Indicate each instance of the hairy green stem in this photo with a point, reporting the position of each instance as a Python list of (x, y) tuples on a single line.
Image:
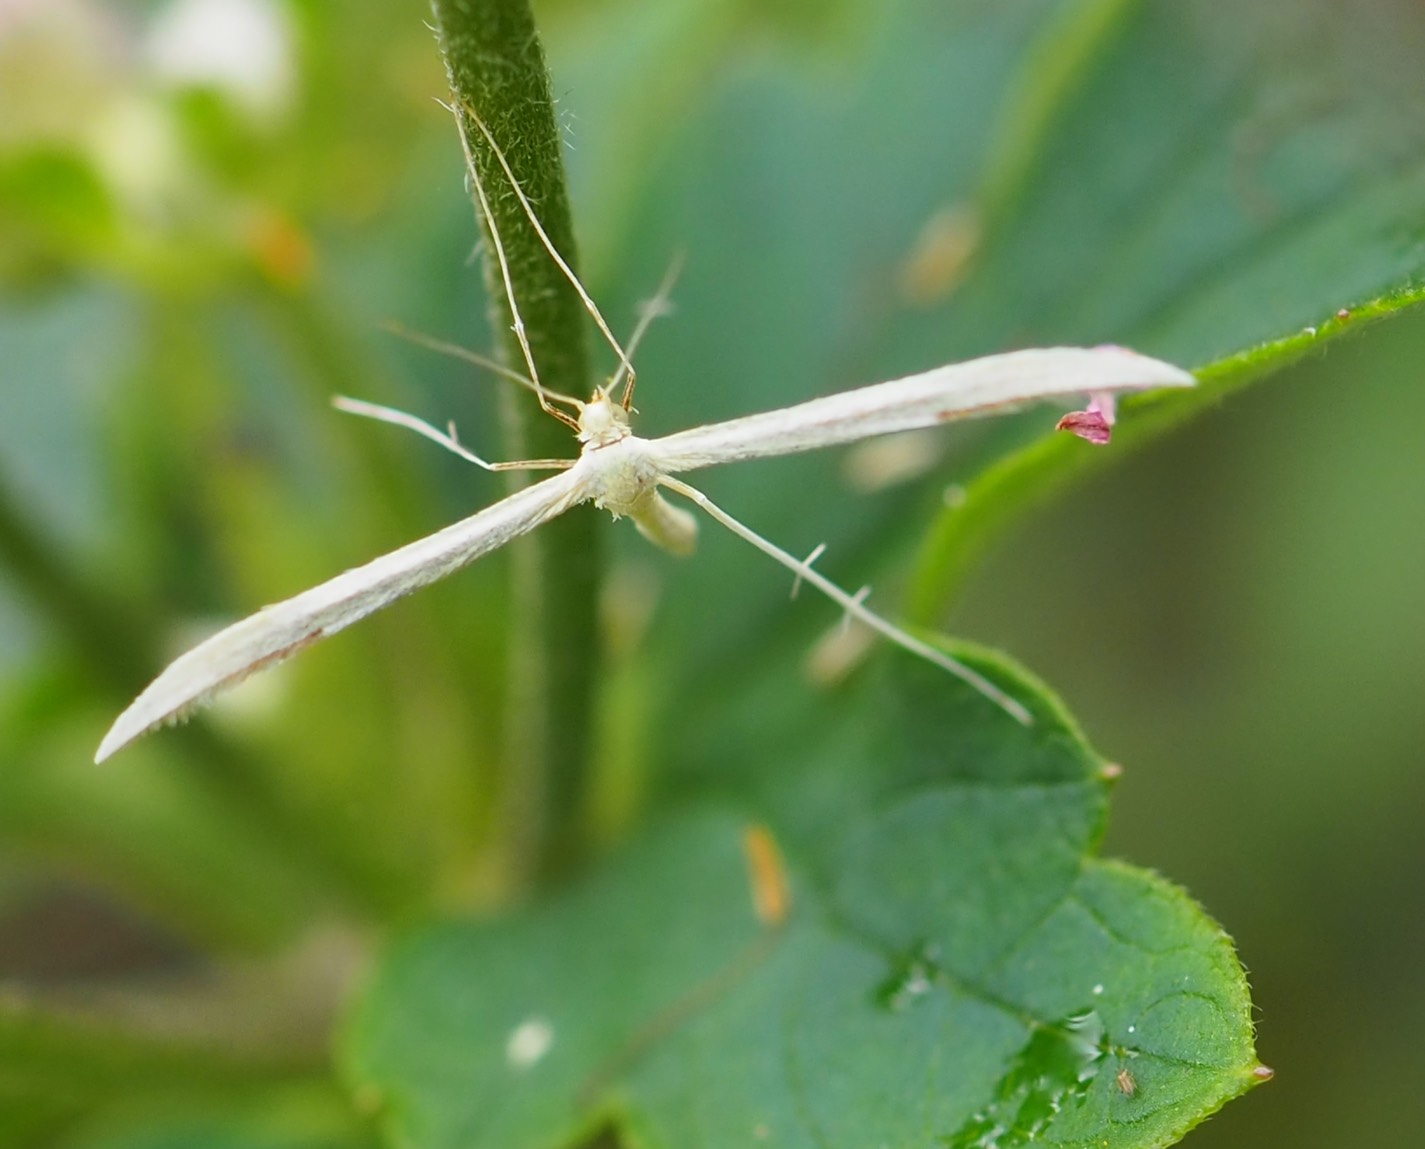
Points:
[(497, 73)]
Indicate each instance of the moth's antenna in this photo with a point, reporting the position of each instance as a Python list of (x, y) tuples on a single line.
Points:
[(504, 263), (651, 309), (589, 304), (852, 604), (430, 343), (446, 439)]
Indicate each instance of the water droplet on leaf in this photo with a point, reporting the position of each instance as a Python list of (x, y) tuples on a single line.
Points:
[(1052, 1071), (529, 1042)]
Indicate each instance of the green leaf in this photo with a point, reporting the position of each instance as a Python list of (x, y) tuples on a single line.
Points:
[(52, 207), (956, 961)]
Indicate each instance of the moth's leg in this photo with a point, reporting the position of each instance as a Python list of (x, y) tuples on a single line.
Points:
[(446, 439), (853, 605), (484, 201), (593, 308)]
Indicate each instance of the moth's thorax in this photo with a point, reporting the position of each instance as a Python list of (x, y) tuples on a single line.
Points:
[(602, 422), (621, 475)]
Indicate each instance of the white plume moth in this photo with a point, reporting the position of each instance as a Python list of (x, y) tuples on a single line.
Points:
[(627, 475)]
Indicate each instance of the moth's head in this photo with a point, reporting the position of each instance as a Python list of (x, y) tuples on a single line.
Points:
[(602, 421)]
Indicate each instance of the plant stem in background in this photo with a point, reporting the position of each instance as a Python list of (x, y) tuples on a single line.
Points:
[(496, 69), (61, 1064), (114, 639), (101, 631)]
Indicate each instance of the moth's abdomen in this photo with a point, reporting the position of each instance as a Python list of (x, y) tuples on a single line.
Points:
[(661, 523)]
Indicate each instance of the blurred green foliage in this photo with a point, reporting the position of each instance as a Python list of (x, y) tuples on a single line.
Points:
[(193, 259)]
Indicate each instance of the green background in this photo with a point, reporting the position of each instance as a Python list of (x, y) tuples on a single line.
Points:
[(1233, 614)]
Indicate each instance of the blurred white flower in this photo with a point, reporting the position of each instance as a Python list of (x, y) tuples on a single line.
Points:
[(59, 59), (135, 145), (243, 48)]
